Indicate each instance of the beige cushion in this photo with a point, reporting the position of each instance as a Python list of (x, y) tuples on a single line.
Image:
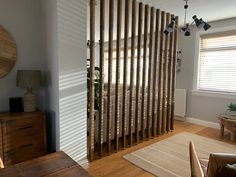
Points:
[(204, 164)]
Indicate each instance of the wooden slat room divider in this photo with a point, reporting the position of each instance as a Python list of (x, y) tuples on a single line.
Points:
[(131, 86), (126, 43), (150, 79), (101, 86), (91, 83), (137, 100), (117, 99), (139, 64), (160, 68), (143, 95), (155, 74)]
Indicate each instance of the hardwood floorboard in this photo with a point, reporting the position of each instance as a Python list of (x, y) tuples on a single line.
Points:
[(115, 166)]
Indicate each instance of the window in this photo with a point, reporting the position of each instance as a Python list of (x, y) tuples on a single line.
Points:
[(217, 67), (128, 66)]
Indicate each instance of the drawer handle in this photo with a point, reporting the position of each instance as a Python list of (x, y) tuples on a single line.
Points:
[(26, 145), (23, 128)]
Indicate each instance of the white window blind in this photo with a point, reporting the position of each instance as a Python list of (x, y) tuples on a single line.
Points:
[(128, 66), (217, 70)]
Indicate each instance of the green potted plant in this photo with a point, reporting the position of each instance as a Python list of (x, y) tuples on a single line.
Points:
[(232, 108)]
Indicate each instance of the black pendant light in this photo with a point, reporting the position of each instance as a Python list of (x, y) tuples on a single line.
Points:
[(199, 23), (206, 26), (186, 29), (170, 28)]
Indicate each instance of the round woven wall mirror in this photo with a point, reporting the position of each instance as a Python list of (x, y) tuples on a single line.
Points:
[(7, 52)]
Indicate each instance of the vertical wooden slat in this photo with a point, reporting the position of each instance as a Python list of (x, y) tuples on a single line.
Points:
[(155, 58), (174, 74), (101, 86), (133, 36), (140, 27), (117, 109), (159, 100), (126, 29), (164, 86), (146, 22), (150, 77), (110, 58), (169, 81), (91, 84)]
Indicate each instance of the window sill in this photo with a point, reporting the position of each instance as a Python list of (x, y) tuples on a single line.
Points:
[(225, 95)]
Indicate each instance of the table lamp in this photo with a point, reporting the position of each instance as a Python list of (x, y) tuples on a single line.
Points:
[(29, 79)]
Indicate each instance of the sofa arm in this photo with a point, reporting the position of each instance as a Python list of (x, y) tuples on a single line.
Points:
[(217, 161)]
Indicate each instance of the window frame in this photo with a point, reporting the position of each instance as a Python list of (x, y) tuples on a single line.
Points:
[(195, 90)]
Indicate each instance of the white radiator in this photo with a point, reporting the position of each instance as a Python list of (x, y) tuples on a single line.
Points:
[(180, 102)]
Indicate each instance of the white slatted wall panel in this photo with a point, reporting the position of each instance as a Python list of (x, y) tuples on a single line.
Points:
[(72, 31)]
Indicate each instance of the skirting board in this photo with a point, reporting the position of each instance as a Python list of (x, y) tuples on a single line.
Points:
[(183, 119), (203, 122)]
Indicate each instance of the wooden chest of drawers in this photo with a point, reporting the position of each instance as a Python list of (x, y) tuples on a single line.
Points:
[(22, 136)]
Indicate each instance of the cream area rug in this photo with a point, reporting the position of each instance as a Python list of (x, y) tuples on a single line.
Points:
[(170, 157)]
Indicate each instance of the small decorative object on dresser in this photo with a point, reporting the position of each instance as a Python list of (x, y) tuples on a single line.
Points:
[(29, 79), (22, 136), (15, 104)]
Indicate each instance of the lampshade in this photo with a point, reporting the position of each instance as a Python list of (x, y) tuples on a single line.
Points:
[(186, 30), (199, 22), (166, 32), (170, 27), (206, 26), (28, 78)]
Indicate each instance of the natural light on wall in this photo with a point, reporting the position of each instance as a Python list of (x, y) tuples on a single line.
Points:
[(72, 26), (217, 68)]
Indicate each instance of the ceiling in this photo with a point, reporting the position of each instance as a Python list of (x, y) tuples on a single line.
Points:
[(209, 10)]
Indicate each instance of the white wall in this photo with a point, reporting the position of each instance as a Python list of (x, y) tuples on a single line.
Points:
[(50, 42), (72, 51), (23, 20), (66, 54), (51, 36), (203, 107)]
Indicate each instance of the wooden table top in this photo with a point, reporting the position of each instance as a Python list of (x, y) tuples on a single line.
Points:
[(227, 117), (57, 164)]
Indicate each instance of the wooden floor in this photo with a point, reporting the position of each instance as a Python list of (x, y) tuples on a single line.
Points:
[(115, 166)]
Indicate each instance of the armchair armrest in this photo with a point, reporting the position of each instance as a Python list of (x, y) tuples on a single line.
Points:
[(1, 163), (217, 162)]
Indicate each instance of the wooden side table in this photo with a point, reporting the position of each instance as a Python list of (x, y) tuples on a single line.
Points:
[(228, 123)]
